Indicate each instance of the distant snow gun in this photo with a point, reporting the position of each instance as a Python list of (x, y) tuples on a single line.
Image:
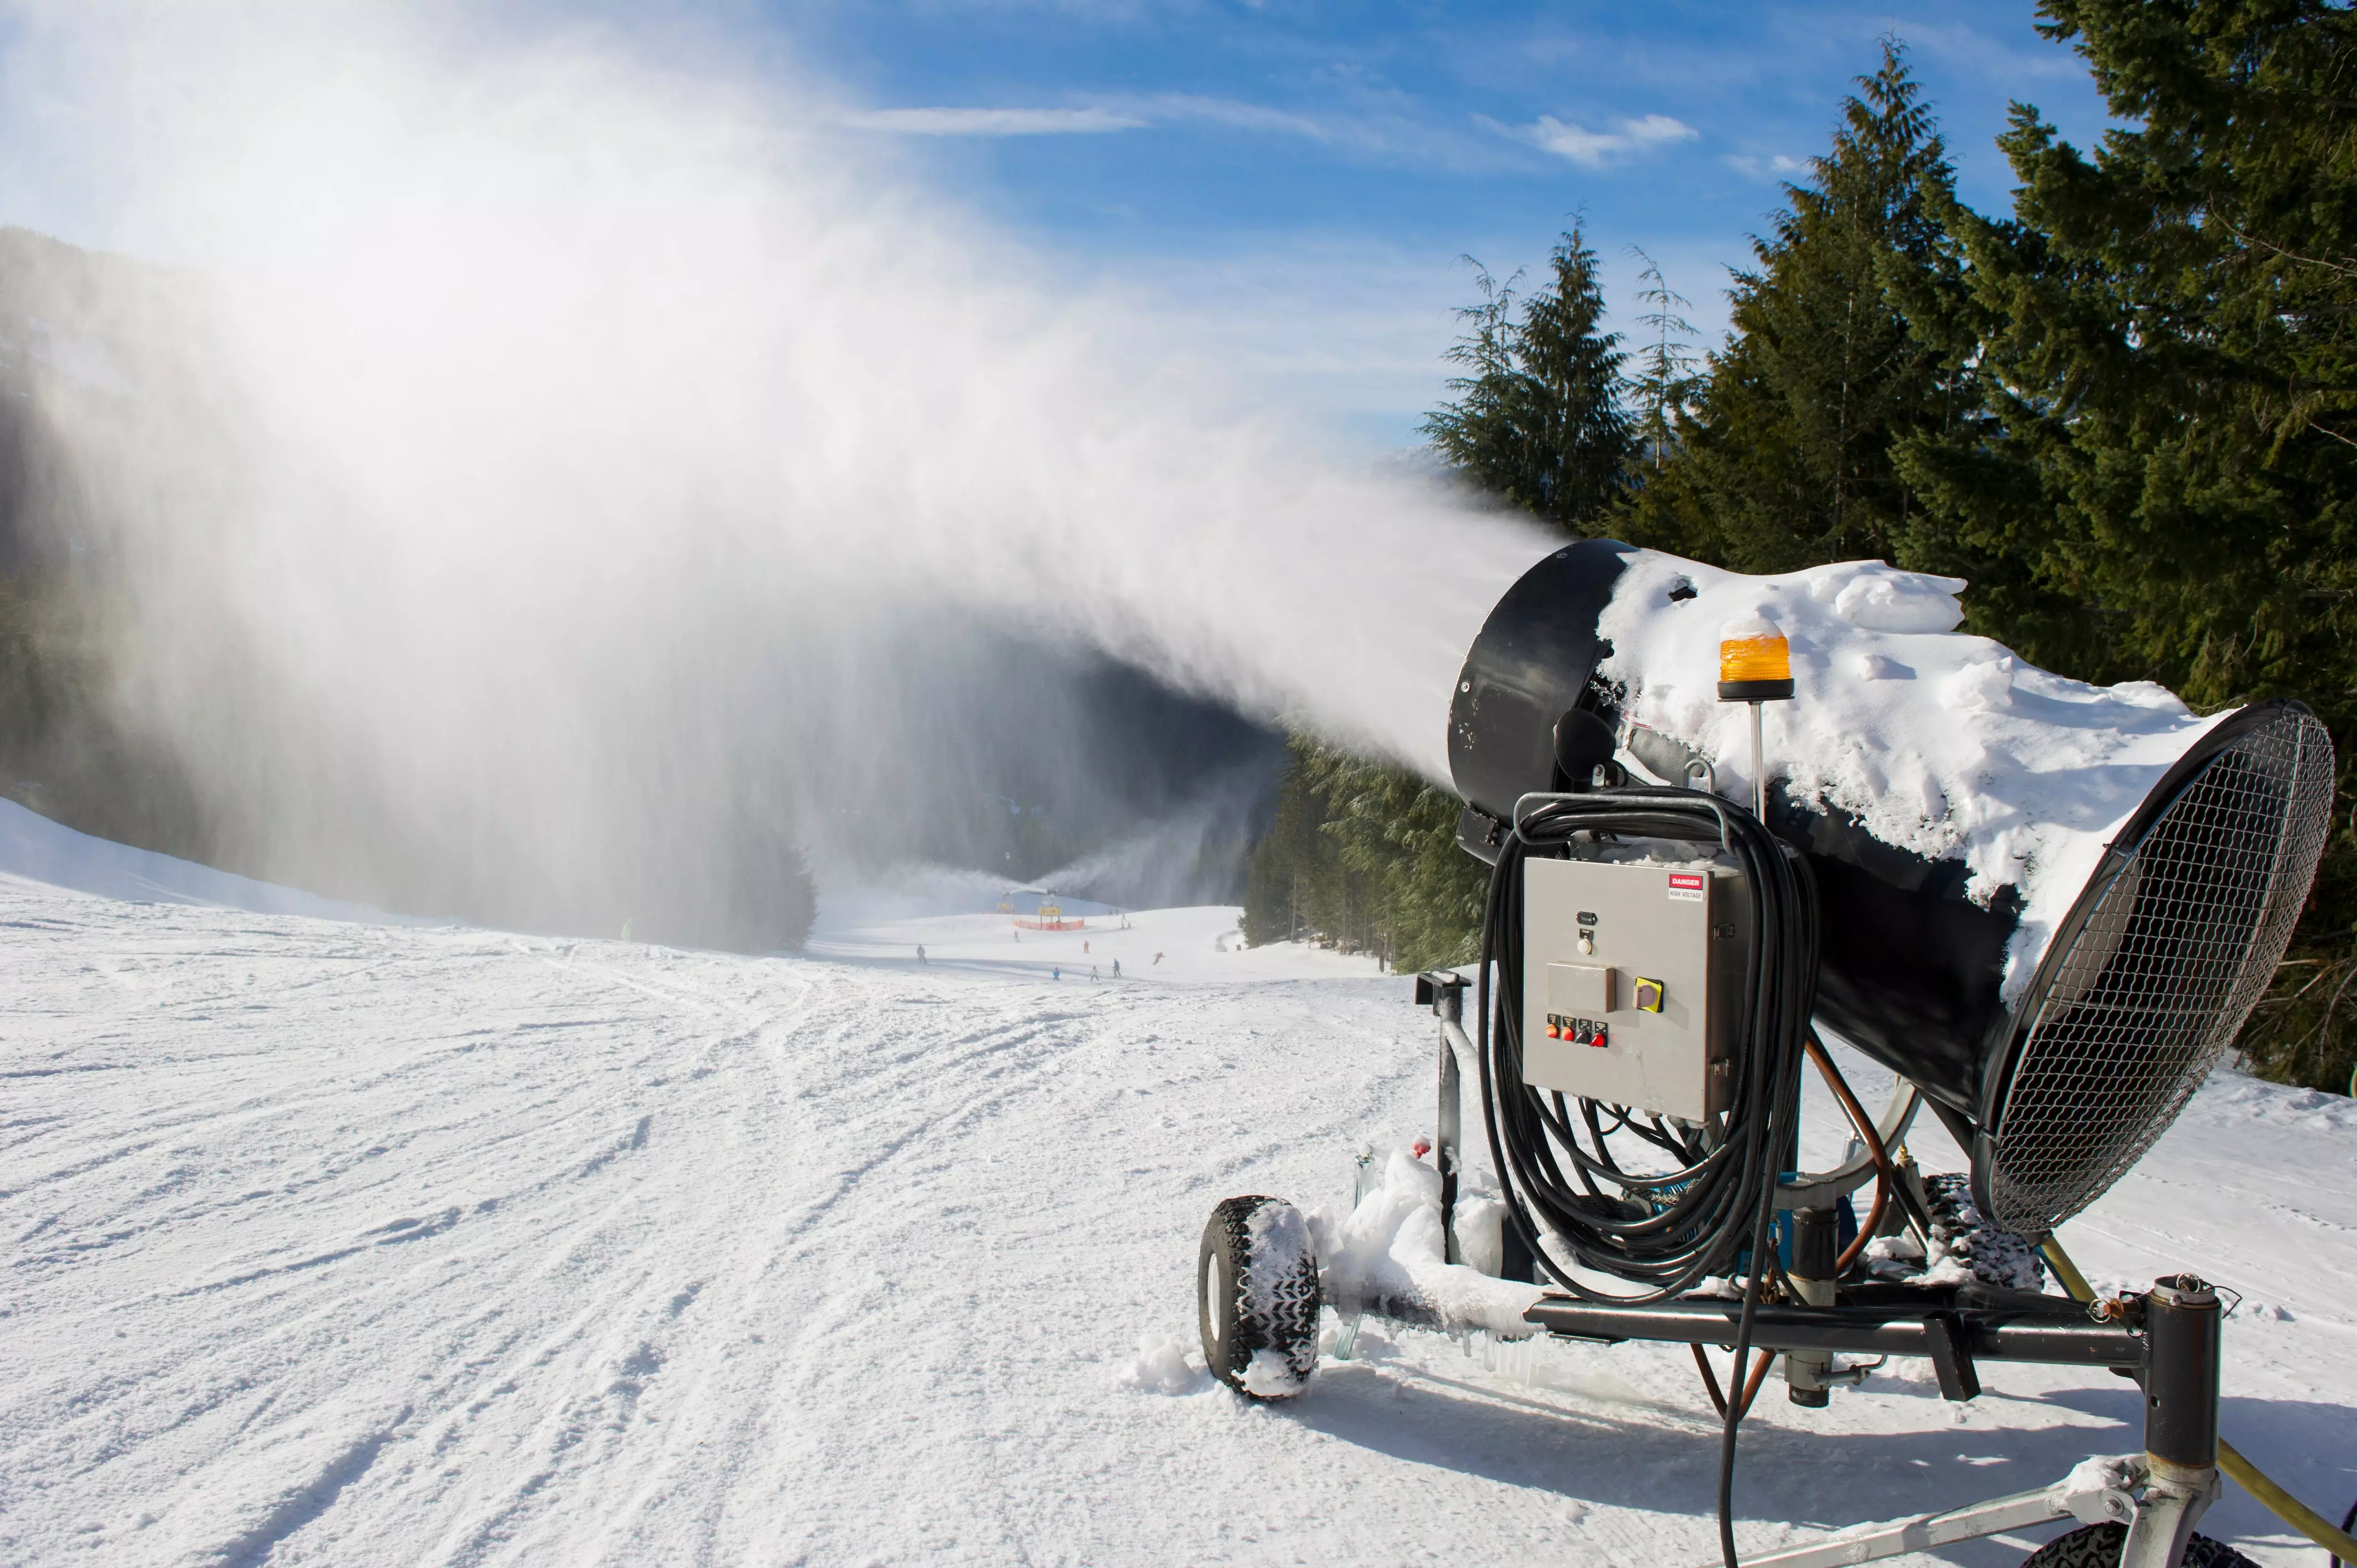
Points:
[(1727, 819)]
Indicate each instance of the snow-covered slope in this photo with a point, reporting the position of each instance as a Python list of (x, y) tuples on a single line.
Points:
[(1164, 946), (34, 847), (371, 1245)]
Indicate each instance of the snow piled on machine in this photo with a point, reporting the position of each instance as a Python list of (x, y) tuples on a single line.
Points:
[(1937, 741), (1384, 1252)]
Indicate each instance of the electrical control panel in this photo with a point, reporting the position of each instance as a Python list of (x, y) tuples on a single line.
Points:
[(1632, 982)]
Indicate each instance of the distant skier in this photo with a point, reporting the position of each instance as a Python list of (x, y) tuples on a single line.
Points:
[(1093, 972), (1055, 972), (1116, 968), (921, 952), (1157, 957), (1084, 946)]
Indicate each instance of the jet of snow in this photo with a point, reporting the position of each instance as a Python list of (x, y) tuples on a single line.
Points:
[(562, 425)]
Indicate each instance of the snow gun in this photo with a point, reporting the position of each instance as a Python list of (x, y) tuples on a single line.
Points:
[(1729, 818)]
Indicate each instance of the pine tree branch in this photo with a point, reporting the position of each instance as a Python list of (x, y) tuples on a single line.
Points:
[(2344, 269)]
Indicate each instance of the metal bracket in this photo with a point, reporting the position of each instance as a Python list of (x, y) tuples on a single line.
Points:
[(1822, 1373), (2164, 1520), (1819, 1191), (1443, 992), (1950, 1345)]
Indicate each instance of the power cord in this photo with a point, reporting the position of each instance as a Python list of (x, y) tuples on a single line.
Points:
[(1669, 1231)]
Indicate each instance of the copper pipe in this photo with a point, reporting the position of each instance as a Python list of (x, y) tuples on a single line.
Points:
[(1759, 1376), (1709, 1379), (1885, 1175)]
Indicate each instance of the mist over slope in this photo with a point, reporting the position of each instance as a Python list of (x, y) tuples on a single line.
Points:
[(951, 739), (561, 487)]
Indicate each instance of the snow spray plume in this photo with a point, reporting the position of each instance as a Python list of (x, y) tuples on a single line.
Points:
[(547, 435)]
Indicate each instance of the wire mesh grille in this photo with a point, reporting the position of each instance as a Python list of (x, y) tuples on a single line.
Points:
[(2157, 980)]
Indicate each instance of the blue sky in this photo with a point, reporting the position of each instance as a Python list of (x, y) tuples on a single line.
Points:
[(1297, 184), (1303, 178)]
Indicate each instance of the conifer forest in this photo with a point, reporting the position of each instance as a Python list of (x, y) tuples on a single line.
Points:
[(2126, 410)]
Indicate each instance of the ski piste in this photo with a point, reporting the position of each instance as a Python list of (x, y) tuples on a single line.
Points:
[(361, 1244)]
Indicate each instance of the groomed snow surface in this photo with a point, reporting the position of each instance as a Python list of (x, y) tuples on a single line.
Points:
[(353, 1243)]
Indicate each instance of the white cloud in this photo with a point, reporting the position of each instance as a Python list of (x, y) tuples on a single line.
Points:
[(1657, 128), (1363, 133), (1778, 166), (1239, 116), (1594, 149), (946, 122)]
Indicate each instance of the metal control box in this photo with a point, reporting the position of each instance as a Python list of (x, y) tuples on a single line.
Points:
[(1632, 982)]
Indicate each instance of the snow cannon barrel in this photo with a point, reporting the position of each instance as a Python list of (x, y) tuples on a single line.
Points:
[(2049, 904)]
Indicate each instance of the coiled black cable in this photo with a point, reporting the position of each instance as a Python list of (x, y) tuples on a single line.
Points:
[(1667, 1230), (1671, 1229)]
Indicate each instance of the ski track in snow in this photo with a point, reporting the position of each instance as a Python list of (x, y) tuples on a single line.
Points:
[(364, 1245)]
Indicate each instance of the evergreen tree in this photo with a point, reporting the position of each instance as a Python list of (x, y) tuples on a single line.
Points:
[(1538, 421), (2171, 367), (1299, 886), (1401, 834), (1852, 332), (2127, 414), (1664, 383), (1362, 854)]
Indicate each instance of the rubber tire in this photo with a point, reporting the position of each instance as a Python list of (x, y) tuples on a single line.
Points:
[(1263, 1297), (2098, 1546)]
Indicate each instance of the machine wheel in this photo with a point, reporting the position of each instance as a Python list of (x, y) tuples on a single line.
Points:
[(2098, 1546), (1257, 1294)]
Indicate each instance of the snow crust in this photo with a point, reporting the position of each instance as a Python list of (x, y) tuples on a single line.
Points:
[(1939, 742), (1270, 1375), (1278, 1236), (1161, 1366), (1388, 1247)]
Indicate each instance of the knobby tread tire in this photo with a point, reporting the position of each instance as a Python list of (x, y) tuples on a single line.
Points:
[(2098, 1546), (1964, 1234), (1266, 1297)]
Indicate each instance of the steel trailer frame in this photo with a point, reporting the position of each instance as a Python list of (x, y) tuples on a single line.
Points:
[(2168, 1340)]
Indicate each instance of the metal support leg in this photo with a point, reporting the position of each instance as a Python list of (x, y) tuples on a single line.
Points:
[(1445, 993), (2181, 1420), (2178, 1473), (2091, 1494), (1447, 1140), (1808, 1373)]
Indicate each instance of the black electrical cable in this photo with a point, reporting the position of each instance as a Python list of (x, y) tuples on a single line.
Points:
[(1669, 1231)]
